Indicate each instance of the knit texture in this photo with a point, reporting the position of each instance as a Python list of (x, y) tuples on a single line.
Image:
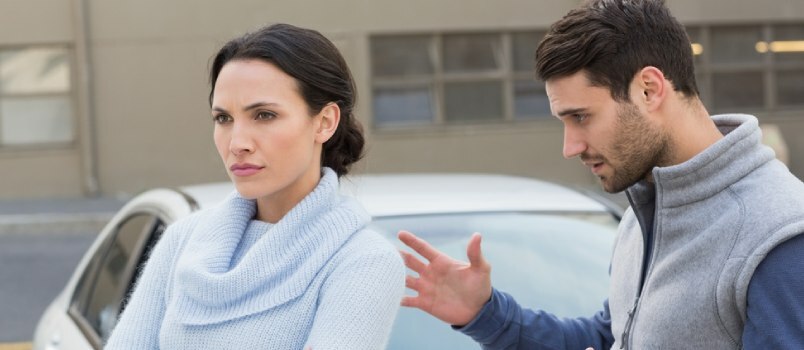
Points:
[(220, 280)]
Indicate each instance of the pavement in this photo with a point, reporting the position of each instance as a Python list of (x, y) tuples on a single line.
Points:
[(54, 215), (51, 216)]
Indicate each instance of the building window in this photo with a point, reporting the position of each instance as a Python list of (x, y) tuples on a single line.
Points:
[(788, 52), (750, 68), (460, 78), (455, 78), (36, 105), (530, 99)]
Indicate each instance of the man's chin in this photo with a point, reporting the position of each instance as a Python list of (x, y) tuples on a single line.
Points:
[(611, 187)]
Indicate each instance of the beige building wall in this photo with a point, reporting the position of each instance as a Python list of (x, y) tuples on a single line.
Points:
[(39, 171), (150, 70), (146, 97)]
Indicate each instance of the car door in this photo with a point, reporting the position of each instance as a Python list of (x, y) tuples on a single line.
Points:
[(100, 294)]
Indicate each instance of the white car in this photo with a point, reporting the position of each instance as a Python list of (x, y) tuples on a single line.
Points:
[(549, 246)]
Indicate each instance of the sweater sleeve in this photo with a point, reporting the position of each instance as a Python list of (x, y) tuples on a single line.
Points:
[(775, 311), (138, 326), (359, 302), (503, 324)]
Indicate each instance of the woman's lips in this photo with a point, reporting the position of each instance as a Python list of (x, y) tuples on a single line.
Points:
[(245, 169)]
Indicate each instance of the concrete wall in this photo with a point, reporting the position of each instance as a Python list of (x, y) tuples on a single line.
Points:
[(36, 22), (150, 70)]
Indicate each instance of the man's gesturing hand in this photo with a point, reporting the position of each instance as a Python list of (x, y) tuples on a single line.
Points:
[(451, 290)]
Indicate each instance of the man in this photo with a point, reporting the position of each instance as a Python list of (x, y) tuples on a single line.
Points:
[(710, 253)]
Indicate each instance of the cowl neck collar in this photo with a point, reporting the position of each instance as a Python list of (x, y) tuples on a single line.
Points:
[(210, 288)]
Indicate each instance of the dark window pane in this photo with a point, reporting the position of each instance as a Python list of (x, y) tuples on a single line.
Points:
[(737, 44), (788, 43), (530, 100), (695, 41), (790, 88), (738, 90), (473, 101), (524, 46), (115, 272), (403, 106), (471, 52), (401, 55)]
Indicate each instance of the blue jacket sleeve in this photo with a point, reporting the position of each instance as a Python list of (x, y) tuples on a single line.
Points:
[(775, 310), (503, 324)]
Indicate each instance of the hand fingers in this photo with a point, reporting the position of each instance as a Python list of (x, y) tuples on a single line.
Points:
[(412, 262), (474, 253), (419, 245), (408, 301), (412, 282)]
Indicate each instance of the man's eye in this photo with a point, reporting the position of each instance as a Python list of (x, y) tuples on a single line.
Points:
[(580, 117)]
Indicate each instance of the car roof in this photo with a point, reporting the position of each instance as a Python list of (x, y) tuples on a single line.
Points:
[(422, 194)]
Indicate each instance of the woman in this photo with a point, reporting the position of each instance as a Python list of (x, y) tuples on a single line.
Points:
[(285, 261)]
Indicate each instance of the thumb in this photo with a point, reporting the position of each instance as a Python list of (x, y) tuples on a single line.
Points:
[(473, 252)]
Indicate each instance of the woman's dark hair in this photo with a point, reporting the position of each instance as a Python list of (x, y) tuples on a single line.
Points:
[(611, 40), (320, 72)]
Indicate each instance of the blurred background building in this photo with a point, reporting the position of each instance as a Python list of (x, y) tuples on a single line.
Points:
[(109, 97)]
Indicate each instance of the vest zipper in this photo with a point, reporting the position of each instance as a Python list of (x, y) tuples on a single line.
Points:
[(626, 337), (628, 323)]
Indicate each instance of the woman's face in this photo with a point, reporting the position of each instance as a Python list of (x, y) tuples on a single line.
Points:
[(269, 143)]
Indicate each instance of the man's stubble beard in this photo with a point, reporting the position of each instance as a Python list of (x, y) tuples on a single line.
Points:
[(638, 147)]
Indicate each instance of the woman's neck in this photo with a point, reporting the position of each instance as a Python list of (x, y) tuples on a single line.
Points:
[(273, 208)]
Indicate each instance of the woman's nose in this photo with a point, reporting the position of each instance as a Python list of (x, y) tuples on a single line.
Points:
[(241, 140)]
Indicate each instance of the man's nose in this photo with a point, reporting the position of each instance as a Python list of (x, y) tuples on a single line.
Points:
[(574, 144)]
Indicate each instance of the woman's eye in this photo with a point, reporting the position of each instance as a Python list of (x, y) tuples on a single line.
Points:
[(265, 116), (221, 118)]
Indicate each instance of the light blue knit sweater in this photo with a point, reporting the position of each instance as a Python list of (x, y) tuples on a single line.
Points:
[(220, 280)]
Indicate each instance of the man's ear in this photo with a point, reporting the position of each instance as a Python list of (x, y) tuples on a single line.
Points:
[(650, 88), (327, 122)]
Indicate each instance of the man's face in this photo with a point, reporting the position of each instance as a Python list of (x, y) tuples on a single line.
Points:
[(614, 139)]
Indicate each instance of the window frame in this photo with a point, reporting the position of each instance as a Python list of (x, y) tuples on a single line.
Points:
[(706, 69), (69, 94), (769, 67), (505, 74)]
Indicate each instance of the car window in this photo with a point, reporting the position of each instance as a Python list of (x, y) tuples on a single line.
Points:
[(553, 262), (101, 293)]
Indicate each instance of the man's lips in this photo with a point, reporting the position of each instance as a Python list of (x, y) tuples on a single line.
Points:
[(595, 165), (245, 169), (597, 168)]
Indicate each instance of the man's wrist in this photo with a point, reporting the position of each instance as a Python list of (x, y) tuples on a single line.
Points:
[(488, 313)]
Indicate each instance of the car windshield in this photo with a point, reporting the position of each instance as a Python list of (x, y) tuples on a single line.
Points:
[(554, 262)]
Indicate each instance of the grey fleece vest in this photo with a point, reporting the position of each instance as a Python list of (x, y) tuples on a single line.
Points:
[(717, 216)]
